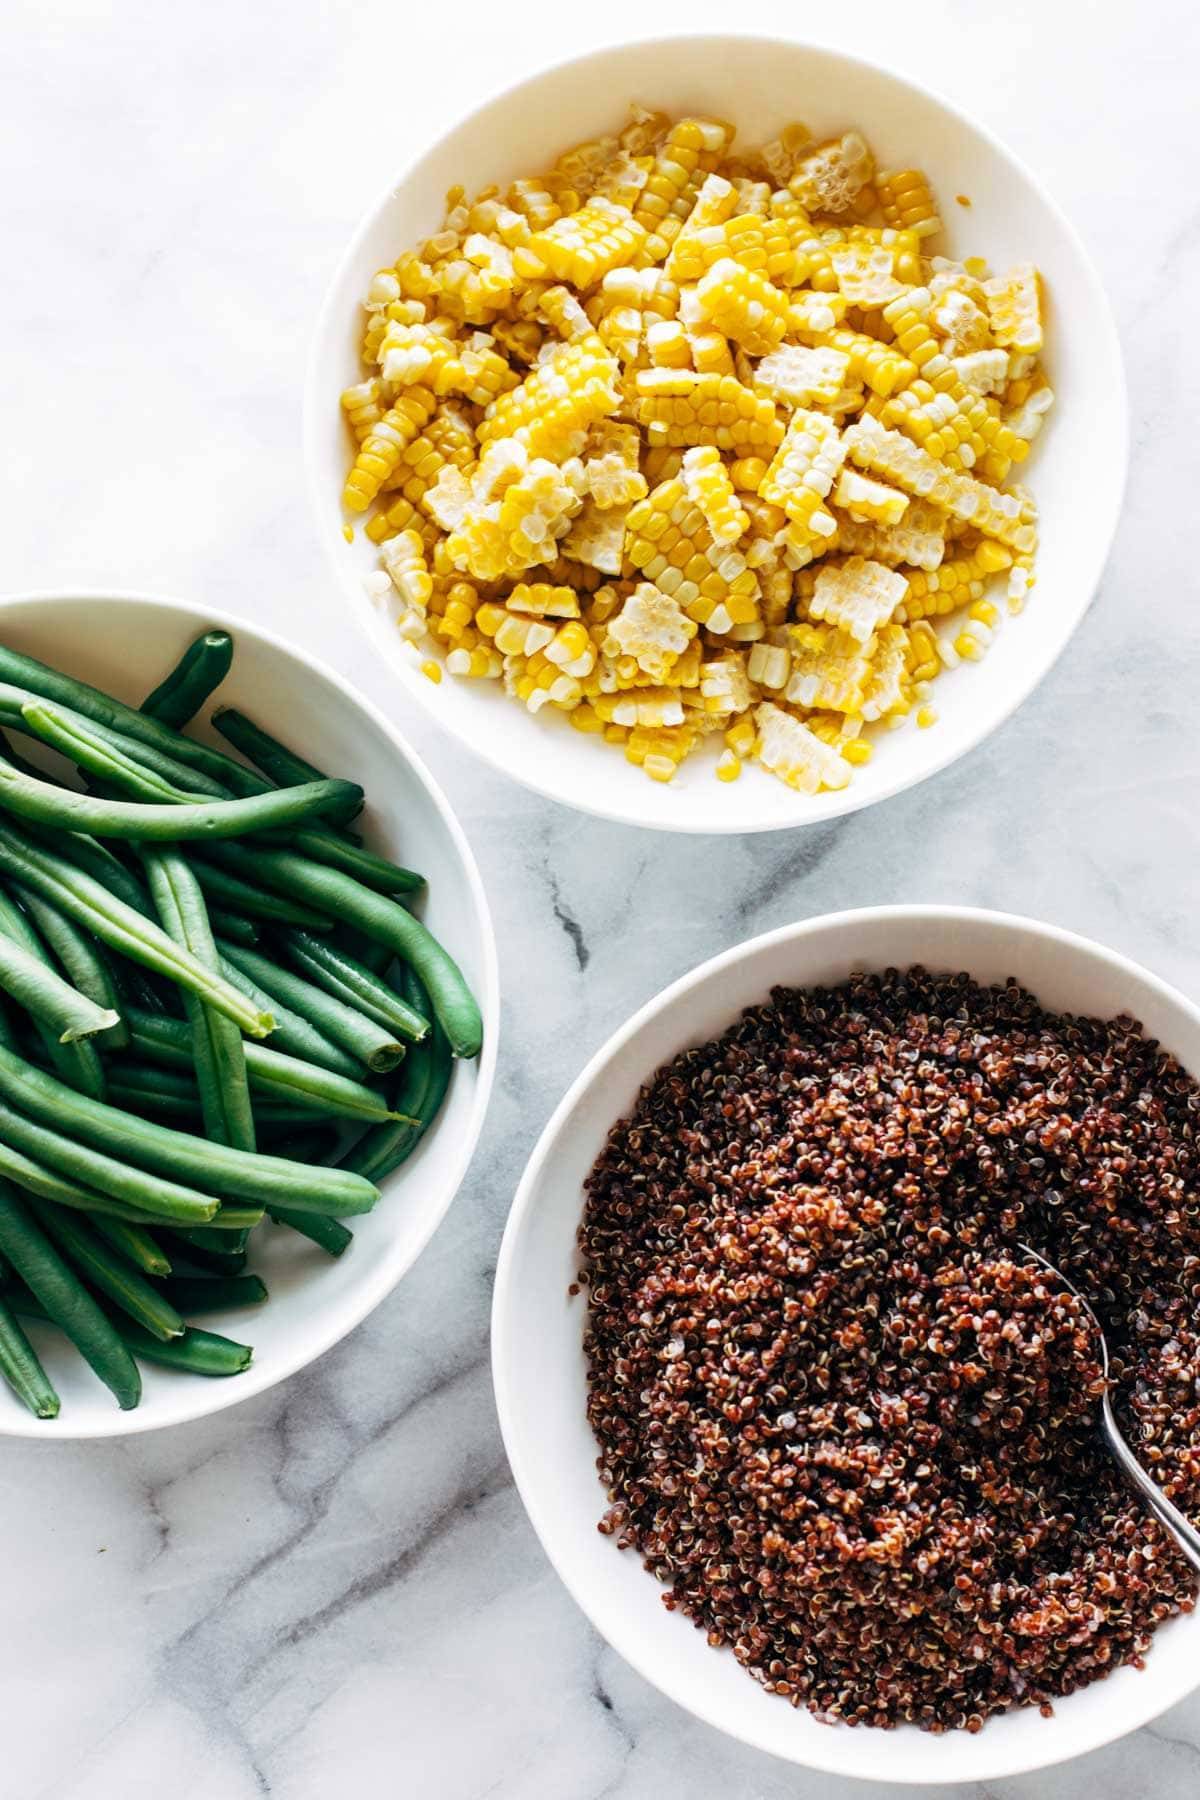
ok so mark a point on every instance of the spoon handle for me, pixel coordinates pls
(1164, 1510)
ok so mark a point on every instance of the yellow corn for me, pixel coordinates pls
(571, 390)
(871, 500)
(583, 247)
(384, 446)
(795, 754)
(679, 407)
(803, 470)
(1015, 309)
(826, 668)
(689, 152)
(906, 201)
(934, 592)
(831, 178)
(667, 539)
(706, 481)
(857, 595)
(651, 628)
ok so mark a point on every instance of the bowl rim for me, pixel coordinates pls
(259, 1378)
(506, 1303)
(851, 799)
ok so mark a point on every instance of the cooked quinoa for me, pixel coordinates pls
(845, 1421)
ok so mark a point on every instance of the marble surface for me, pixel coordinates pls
(333, 1589)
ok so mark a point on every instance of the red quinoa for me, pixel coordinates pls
(841, 1417)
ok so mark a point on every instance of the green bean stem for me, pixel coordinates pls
(46, 996)
(135, 1244)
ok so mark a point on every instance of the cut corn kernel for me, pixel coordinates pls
(675, 441)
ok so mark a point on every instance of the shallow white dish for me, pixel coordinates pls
(539, 1367)
(124, 645)
(759, 83)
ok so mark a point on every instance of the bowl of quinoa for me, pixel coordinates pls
(803, 1428)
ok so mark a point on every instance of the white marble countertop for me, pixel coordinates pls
(333, 1589)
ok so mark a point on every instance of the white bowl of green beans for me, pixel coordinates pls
(248, 1010)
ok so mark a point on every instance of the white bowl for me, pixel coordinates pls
(759, 83)
(125, 644)
(539, 1367)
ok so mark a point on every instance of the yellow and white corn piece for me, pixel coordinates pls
(858, 595)
(802, 375)
(869, 500)
(795, 754)
(653, 629)
(803, 470)
(832, 177)
(827, 668)
(707, 483)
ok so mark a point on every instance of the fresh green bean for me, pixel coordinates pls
(376, 872)
(231, 926)
(352, 982)
(46, 996)
(78, 1063)
(48, 1184)
(115, 716)
(107, 1270)
(136, 768)
(286, 1079)
(379, 917)
(81, 957)
(21, 1368)
(67, 810)
(199, 1352)
(135, 1244)
(263, 1180)
(174, 1098)
(192, 1294)
(385, 1147)
(294, 1034)
(144, 1194)
(243, 897)
(375, 1045)
(196, 1248)
(217, 1055)
(65, 1299)
(329, 1235)
(200, 670)
(277, 762)
(118, 925)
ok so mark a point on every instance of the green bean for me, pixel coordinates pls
(217, 1055)
(46, 996)
(372, 1044)
(22, 1370)
(380, 918)
(199, 1352)
(67, 810)
(243, 897)
(107, 1270)
(144, 1194)
(166, 1094)
(277, 762)
(118, 925)
(229, 925)
(65, 1299)
(81, 957)
(329, 1235)
(352, 982)
(48, 1184)
(294, 1034)
(93, 858)
(135, 1244)
(192, 1294)
(115, 716)
(375, 872)
(286, 1079)
(78, 1063)
(196, 1248)
(237, 1174)
(136, 768)
(383, 1148)
(201, 669)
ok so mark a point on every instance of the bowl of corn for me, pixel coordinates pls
(680, 429)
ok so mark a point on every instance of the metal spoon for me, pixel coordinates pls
(1164, 1510)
